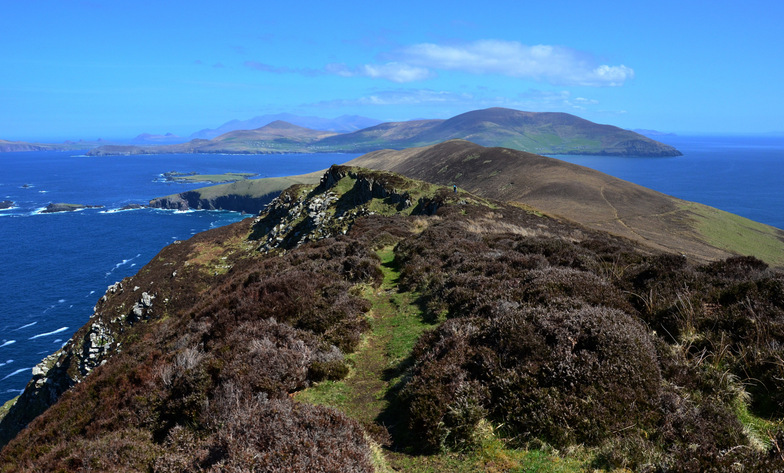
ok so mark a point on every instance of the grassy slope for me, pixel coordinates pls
(589, 197)
(257, 187)
(738, 234)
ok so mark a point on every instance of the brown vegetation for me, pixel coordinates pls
(555, 334)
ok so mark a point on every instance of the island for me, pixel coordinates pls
(193, 177)
(62, 207)
(6, 204)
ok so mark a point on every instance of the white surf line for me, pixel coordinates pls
(16, 372)
(61, 329)
(25, 326)
(8, 342)
(122, 263)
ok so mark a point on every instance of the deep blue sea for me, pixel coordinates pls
(54, 267)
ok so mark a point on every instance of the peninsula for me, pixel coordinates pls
(372, 322)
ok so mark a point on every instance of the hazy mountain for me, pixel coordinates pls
(536, 132)
(342, 124)
(151, 139)
(541, 133)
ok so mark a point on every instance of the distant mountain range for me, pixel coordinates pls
(150, 139)
(541, 133)
(342, 124)
(10, 146)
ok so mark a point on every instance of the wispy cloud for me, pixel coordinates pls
(557, 65)
(401, 97)
(553, 64)
(394, 71)
(531, 100)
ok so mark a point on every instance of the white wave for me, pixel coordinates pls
(24, 326)
(22, 370)
(121, 263)
(43, 192)
(61, 329)
(61, 301)
(117, 210)
(7, 342)
(57, 340)
(6, 362)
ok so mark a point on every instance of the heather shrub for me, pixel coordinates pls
(574, 376)
(563, 376)
(280, 435)
(445, 402)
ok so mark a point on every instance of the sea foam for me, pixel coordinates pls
(61, 329)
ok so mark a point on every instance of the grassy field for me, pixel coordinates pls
(738, 234)
(214, 178)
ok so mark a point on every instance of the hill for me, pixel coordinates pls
(594, 199)
(378, 323)
(543, 133)
(342, 124)
(11, 146)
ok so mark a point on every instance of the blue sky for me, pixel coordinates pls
(74, 69)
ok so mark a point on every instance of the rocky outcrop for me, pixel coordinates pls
(193, 200)
(88, 349)
(6, 204)
(301, 214)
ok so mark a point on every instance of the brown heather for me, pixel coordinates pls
(556, 335)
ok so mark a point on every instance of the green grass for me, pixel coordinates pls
(258, 187)
(738, 234)
(7, 407)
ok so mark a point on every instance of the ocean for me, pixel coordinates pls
(54, 267)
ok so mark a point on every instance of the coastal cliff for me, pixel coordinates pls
(248, 196)
(373, 322)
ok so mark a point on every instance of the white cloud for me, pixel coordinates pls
(396, 72)
(393, 71)
(554, 64)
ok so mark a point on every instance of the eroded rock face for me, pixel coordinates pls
(89, 348)
(301, 214)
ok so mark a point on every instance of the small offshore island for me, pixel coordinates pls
(193, 177)
(62, 207)
(6, 204)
